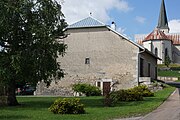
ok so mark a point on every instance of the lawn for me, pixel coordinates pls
(174, 70)
(169, 73)
(36, 108)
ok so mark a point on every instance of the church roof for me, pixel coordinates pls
(163, 21)
(175, 38)
(87, 22)
(156, 34)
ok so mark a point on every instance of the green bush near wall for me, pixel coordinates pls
(67, 106)
(87, 89)
(133, 94)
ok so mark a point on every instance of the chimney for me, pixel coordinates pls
(113, 25)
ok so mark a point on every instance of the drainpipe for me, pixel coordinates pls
(139, 65)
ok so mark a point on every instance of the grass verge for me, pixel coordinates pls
(36, 108)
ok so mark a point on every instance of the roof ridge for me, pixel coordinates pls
(87, 22)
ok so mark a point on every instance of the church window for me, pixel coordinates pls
(156, 51)
(87, 60)
(166, 52)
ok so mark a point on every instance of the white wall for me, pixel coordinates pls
(161, 45)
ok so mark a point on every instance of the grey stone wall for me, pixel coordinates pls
(111, 57)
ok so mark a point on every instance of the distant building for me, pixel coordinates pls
(160, 41)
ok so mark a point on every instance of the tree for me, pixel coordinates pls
(29, 30)
(167, 61)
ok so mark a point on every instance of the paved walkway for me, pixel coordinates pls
(169, 110)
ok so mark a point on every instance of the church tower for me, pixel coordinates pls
(163, 21)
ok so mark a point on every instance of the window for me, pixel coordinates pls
(166, 52)
(87, 60)
(156, 51)
(141, 67)
(99, 84)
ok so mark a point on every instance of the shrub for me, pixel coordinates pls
(67, 106)
(133, 94)
(143, 90)
(87, 89)
(125, 95)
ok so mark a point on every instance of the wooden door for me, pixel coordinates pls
(106, 88)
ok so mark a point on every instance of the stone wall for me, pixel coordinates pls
(167, 78)
(111, 56)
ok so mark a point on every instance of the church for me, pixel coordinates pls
(160, 41)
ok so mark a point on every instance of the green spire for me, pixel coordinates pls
(163, 22)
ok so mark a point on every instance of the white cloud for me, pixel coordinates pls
(75, 10)
(140, 19)
(174, 26)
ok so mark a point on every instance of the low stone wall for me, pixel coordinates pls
(145, 80)
(167, 78)
(42, 89)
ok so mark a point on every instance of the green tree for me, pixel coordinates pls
(29, 30)
(167, 61)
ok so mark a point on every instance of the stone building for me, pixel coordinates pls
(160, 41)
(97, 54)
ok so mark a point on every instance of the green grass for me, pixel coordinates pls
(36, 108)
(173, 72)
(171, 66)
(169, 73)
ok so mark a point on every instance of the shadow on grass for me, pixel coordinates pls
(36, 104)
(147, 100)
(96, 102)
(89, 102)
(13, 117)
(44, 103)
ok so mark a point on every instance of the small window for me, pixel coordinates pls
(87, 60)
(99, 84)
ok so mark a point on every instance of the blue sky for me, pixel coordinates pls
(131, 16)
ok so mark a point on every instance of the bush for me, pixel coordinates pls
(87, 89)
(125, 95)
(133, 94)
(67, 106)
(143, 90)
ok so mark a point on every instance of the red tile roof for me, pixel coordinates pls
(156, 35)
(175, 38)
